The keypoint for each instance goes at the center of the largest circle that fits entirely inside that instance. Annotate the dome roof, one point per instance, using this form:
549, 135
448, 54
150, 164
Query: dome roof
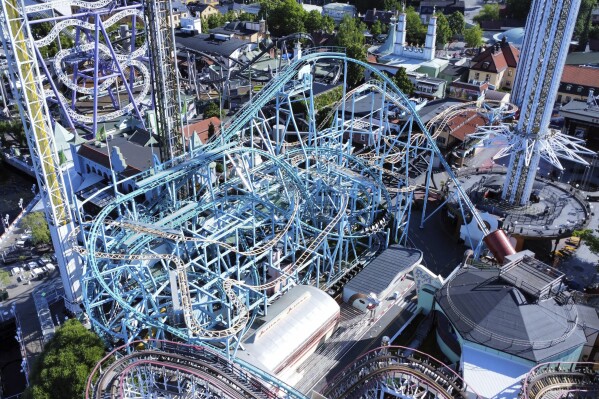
515, 36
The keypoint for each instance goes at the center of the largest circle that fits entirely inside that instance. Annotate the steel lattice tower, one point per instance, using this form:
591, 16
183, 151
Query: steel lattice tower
549, 28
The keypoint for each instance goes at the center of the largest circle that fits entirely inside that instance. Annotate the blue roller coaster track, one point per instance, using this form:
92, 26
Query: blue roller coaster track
195, 248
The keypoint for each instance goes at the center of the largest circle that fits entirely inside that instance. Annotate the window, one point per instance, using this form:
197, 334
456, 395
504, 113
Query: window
363, 138
508, 83
559, 98
476, 76
579, 89
568, 98
568, 87
441, 140
510, 72
487, 78
486, 65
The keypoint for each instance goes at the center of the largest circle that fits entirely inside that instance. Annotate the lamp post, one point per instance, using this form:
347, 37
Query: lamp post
21, 204
19, 339
5, 223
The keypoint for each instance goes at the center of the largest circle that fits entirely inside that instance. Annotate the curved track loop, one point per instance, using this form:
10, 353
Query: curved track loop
164, 367
406, 371
132, 60
563, 380
242, 314
218, 247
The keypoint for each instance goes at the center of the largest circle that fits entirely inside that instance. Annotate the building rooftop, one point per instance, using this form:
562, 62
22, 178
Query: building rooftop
581, 75
341, 7
206, 44
378, 275
580, 109
238, 28
383, 16
434, 108
531, 276
579, 58
496, 58
138, 150
201, 128
487, 310
291, 322
465, 123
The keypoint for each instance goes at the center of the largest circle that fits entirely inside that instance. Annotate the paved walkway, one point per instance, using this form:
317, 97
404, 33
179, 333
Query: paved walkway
581, 266
20, 298
357, 333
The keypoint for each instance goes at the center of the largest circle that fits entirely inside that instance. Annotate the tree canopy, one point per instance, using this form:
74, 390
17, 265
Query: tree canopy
62, 369
218, 19
457, 23
518, 8
212, 109
403, 82
473, 36
489, 12
583, 26
41, 30
444, 32
590, 239
376, 28
351, 36
4, 279
36, 222
285, 17
415, 30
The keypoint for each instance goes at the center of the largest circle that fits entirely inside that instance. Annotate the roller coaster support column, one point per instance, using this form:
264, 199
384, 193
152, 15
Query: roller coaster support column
429, 174
23, 68
167, 102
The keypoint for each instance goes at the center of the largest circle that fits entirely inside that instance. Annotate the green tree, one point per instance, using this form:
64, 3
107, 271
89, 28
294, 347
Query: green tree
36, 222
376, 28
590, 239
473, 36
456, 23
62, 158
62, 369
4, 279
101, 134
15, 129
518, 8
489, 12
313, 21
284, 17
444, 32
584, 22
351, 36
41, 30
392, 5
212, 109
211, 130
355, 72
415, 30
328, 24
402, 81
213, 21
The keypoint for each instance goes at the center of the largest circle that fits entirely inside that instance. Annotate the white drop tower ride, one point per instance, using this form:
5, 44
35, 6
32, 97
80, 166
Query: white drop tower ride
548, 31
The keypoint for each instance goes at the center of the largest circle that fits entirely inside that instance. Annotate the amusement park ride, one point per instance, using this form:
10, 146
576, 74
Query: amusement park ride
208, 238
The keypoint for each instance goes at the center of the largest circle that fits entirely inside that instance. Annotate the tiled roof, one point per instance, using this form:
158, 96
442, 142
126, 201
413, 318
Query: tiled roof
201, 128
496, 58
464, 124
581, 75
378, 15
